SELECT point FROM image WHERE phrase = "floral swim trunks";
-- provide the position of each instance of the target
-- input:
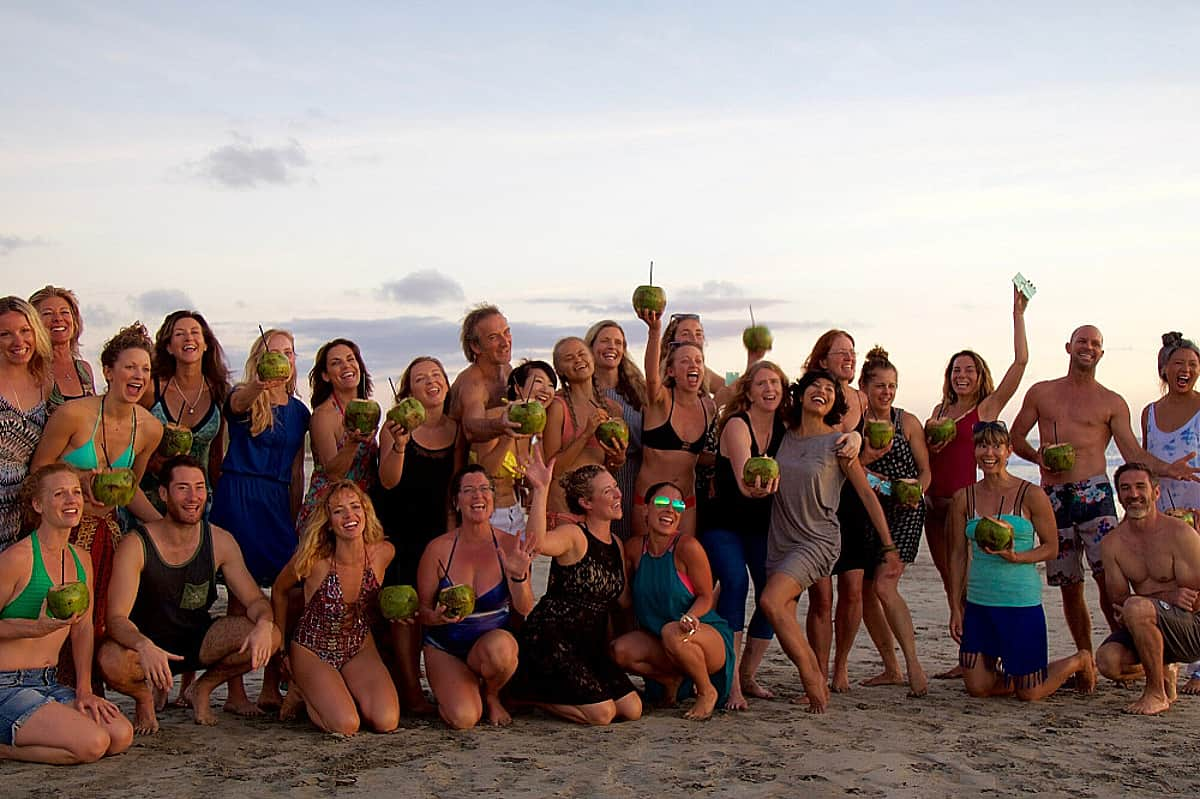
(1084, 513)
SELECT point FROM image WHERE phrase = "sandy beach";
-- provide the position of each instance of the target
(872, 742)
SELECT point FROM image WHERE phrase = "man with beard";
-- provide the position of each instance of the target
(163, 584)
(1076, 409)
(1158, 557)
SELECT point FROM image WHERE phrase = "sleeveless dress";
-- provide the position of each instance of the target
(564, 640)
(1171, 447)
(415, 510)
(626, 473)
(904, 523)
(660, 596)
(203, 434)
(805, 539)
(20, 432)
(252, 500)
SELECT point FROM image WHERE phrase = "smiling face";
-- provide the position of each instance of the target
(187, 344)
(538, 387)
(664, 519)
(59, 320)
(347, 514)
(1137, 493)
(840, 360)
(608, 348)
(1181, 371)
(1086, 347)
(685, 366)
(573, 360)
(691, 331)
(282, 343)
(766, 390)
(605, 499)
(475, 500)
(16, 338)
(427, 382)
(341, 368)
(991, 455)
(59, 501)
(129, 375)
(964, 376)
(493, 340)
(818, 397)
(881, 390)
(185, 495)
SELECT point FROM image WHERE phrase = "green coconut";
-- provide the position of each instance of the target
(64, 601)
(114, 487)
(879, 433)
(1059, 457)
(362, 415)
(612, 431)
(649, 298)
(940, 431)
(1185, 515)
(409, 413)
(273, 366)
(176, 440)
(398, 602)
(757, 338)
(458, 600)
(766, 469)
(993, 533)
(530, 414)
(906, 491)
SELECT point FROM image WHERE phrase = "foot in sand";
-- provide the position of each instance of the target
(145, 721)
(1149, 705)
(885, 678)
(706, 702)
(1086, 678)
(270, 699)
(1191, 687)
(950, 674)
(750, 687)
(243, 708)
(201, 708)
(919, 684)
(736, 700)
(160, 699)
(417, 705)
(497, 715)
(670, 697)
(840, 683)
(292, 704)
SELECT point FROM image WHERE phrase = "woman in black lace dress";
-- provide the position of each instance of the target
(565, 667)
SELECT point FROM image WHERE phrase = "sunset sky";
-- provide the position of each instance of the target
(372, 169)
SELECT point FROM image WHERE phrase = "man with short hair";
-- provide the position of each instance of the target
(163, 585)
(1078, 410)
(1158, 556)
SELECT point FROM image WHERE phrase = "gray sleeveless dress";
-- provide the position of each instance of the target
(805, 539)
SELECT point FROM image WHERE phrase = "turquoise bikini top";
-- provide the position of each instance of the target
(85, 456)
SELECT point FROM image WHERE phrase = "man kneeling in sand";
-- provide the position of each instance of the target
(163, 584)
(1159, 557)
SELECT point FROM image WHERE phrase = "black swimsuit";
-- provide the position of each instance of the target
(664, 436)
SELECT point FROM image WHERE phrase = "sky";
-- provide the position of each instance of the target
(371, 170)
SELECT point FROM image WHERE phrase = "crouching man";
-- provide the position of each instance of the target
(163, 585)
(1158, 557)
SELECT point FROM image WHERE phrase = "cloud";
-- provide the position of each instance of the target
(10, 243)
(243, 165)
(160, 302)
(98, 317)
(711, 297)
(424, 287)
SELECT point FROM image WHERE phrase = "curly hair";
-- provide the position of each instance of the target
(67, 296)
(673, 351)
(133, 337)
(322, 389)
(577, 485)
(796, 412)
(43, 351)
(740, 401)
(262, 417)
(631, 383)
(212, 364)
(317, 541)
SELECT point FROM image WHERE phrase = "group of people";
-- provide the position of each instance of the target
(653, 538)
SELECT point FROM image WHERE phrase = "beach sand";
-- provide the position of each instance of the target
(872, 742)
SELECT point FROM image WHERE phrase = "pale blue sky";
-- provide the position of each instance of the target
(882, 167)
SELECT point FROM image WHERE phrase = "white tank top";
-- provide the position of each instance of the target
(1170, 447)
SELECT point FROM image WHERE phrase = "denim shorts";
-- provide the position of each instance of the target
(22, 692)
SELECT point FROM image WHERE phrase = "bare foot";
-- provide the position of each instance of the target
(955, 673)
(1191, 687)
(242, 708)
(417, 705)
(160, 699)
(736, 700)
(1171, 682)
(1148, 705)
(201, 708)
(185, 680)
(1085, 678)
(885, 678)
(145, 721)
(292, 704)
(670, 697)
(916, 679)
(841, 683)
(706, 702)
(750, 687)
(497, 716)
(270, 699)
(800, 700)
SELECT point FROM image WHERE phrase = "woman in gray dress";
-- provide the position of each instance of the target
(804, 539)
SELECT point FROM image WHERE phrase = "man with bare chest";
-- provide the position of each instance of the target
(1158, 557)
(1078, 410)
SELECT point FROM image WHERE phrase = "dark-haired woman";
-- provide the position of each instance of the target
(191, 382)
(413, 502)
(565, 666)
(338, 377)
(73, 377)
(25, 382)
(805, 538)
(619, 379)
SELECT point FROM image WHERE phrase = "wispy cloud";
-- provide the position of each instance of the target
(160, 302)
(244, 165)
(10, 243)
(424, 287)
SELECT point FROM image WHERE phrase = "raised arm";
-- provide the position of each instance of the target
(993, 404)
(654, 383)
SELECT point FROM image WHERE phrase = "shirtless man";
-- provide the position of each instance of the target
(1158, 556)
(163, 584)
(1077, 410)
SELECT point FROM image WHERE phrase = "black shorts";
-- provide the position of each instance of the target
(1180, 631)
(188, 646)
(860, 543)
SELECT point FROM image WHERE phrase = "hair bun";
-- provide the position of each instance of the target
(1172, 339)
(877, 353)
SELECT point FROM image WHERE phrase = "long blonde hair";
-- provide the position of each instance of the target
(43, 351)
(631, 384)
(317, 540)
(262, 416)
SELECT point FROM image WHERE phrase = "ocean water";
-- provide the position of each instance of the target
(1027, 471)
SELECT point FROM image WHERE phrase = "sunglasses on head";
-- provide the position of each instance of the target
(676, 504)
(997, 425)
(681, 317)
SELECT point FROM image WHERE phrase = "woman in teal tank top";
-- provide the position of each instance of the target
(681, 635)
(1001, 627)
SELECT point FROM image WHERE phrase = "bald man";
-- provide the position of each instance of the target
(1079, 411)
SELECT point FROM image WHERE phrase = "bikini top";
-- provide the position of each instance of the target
(28, 604)
(85, 457)
(664, 436)
(497, 598)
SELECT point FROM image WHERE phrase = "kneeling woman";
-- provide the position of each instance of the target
(336, 669)
(1003, 622)
(462, 652)
(681, 636)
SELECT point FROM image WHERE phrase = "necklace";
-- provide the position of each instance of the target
(191, 404)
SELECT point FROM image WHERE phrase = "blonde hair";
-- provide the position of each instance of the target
(67, 296)
(261, 415)
(631, 384)
(317, 540)
(43, 351)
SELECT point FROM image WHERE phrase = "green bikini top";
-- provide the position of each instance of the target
(28, 604)
(85, 456)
